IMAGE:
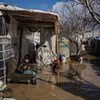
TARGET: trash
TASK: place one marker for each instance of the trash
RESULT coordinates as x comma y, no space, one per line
4,90
7,98
2,86
44,55
76,69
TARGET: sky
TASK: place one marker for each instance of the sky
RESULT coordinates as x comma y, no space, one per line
32,4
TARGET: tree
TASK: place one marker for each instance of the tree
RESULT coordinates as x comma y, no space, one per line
93,7
72,21
78,17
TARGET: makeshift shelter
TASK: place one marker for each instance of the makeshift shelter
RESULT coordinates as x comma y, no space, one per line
26,28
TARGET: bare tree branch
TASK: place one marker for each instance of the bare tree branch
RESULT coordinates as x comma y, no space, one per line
91,12
76,19
88,5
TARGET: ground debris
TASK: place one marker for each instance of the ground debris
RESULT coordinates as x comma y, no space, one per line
76,69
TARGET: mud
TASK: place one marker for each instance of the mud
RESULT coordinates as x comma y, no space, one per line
86,88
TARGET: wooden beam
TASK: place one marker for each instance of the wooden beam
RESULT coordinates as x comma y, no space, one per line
39,25
33,18
31,15
58,62
34,22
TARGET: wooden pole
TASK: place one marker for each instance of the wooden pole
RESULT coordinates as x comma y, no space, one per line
58,62
56,31
20,44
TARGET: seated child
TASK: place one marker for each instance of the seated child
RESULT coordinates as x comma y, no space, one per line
25,68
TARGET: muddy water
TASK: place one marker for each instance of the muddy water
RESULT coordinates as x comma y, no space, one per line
43,91
91,77
88,88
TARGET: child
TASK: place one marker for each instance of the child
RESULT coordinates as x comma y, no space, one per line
25,68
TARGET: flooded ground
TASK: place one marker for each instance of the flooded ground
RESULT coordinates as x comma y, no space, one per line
88,88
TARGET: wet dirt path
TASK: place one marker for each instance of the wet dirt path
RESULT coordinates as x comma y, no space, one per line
86,89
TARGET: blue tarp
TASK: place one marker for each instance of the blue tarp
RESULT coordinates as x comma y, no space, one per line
97,38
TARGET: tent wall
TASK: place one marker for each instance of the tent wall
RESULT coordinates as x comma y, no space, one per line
14,35
48,38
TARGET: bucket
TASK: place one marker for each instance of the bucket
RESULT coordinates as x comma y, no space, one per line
63,60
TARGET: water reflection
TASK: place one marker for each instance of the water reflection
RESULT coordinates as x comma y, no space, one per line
94,62
85,89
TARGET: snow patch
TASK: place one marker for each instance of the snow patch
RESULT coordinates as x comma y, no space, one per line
4,6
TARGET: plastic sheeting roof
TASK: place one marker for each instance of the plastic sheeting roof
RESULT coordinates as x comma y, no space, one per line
30,17
4,6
